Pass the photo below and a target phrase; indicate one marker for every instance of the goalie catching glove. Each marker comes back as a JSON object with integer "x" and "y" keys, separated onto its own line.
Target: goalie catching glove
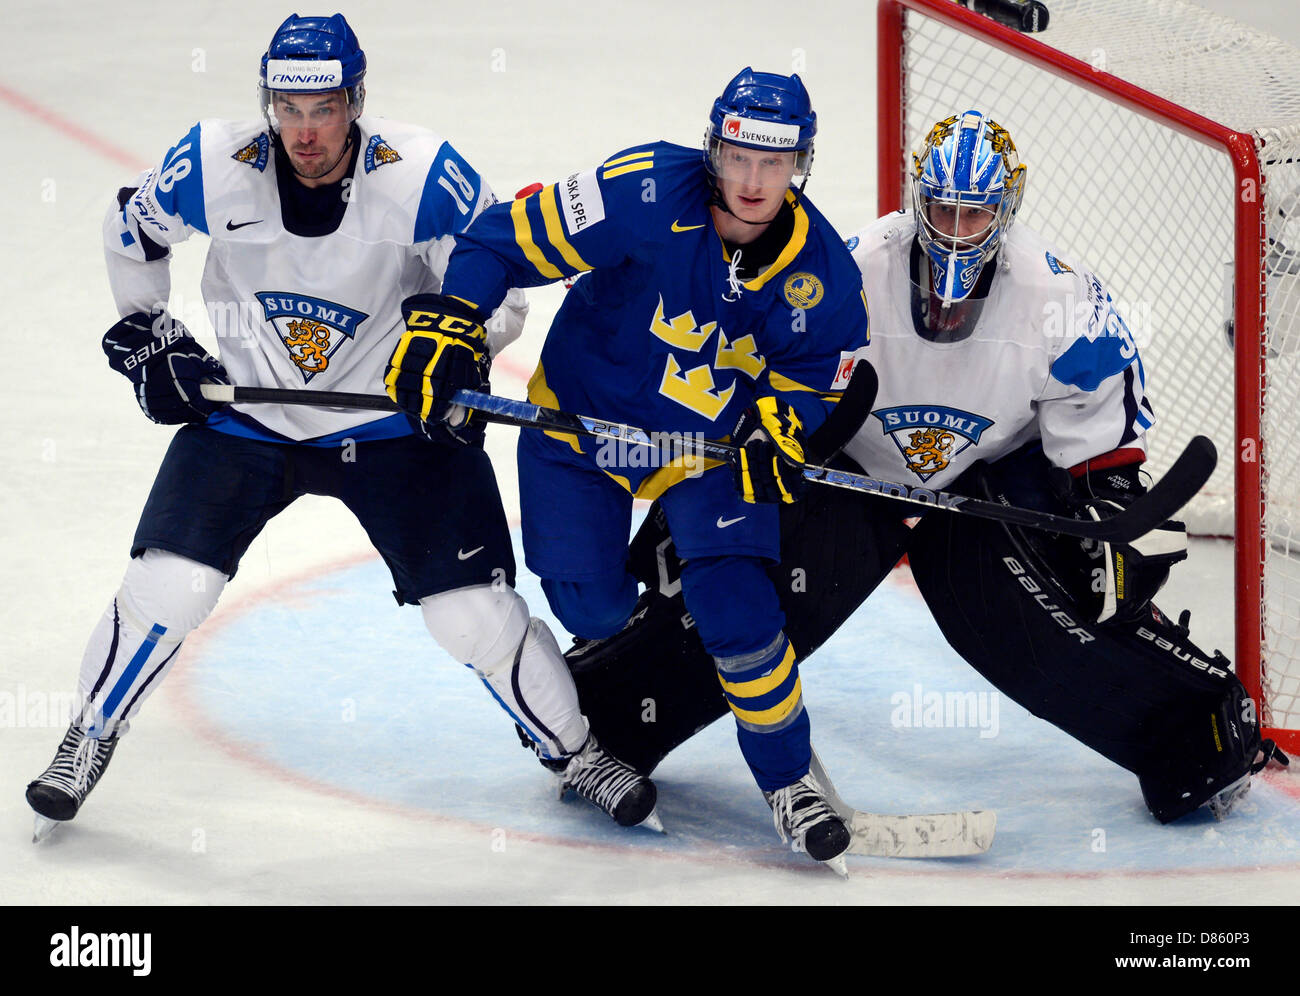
{"x": 1122, "y": 578}
{"x": 166, "y": 365}
{"x": 443, "y": 350}
{"x": 768, "y": 462}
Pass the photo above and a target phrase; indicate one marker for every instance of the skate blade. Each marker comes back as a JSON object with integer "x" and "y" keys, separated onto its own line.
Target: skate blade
{"x": 42, "y": 828}
{"x": 838, "y": 865}
{"x": 652, "y": 822}
{"x": 1223, "y": 803}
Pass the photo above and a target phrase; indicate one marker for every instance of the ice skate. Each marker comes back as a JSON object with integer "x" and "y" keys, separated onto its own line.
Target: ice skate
{"x": 804, "y": 817}
{"x": 77, "y": 767}
{"x": 609, "y": 784}
{"x": 1221, "y": 803}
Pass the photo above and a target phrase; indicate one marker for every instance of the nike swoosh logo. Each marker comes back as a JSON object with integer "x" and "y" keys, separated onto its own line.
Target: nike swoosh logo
{"x": 231, "y": 226}
{"x": 685, "y": 228}
{"x": 462, "y": 555}
{"x": 724, "y": 523}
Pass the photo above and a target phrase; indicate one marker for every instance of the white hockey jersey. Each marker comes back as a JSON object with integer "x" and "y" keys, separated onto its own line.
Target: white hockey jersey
{"x": 1050, "y": 357}
{"x": 292, "y": 311}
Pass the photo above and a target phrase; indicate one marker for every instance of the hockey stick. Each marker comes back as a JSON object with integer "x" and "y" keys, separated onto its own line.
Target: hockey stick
{"x": 931, "y": 835}
{"x": 1187, "y": 475}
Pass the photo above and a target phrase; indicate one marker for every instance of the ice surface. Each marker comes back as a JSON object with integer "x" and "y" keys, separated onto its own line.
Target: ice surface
{"x": 313, "y": 746}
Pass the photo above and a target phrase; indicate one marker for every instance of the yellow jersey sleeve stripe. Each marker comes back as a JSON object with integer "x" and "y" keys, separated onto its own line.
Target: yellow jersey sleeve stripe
{"x": 540, "y": 393}
{"x": 555, "y": 230}
{"x": 792, "y": 248}
{"x": 465, "y": 300}
{"x": 524, "y": 237}
{"x": 761, "y": 686}
{"x": 780, "y": 382}
{"x": 609, "y": 174}
{"x": 778, "y": 712}
{"x": 644, "y": 154}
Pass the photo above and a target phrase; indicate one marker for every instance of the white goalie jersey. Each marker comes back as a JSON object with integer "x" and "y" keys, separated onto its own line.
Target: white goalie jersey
{"x": 319, "y": 312}
{"x": 1050, "y": 357}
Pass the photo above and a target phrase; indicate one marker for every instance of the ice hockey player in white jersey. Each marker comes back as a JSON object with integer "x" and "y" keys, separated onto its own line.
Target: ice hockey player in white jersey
{"x": 1006, "y": 372}
{"x": 327, "y": 230}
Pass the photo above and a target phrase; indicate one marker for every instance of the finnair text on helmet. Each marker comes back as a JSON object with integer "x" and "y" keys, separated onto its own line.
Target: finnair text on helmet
{"x": 304, "y": 74}
{"x": 303, "y": 78}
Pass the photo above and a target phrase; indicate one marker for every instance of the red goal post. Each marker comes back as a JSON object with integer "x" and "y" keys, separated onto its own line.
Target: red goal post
{"x": 1163, "y": 147}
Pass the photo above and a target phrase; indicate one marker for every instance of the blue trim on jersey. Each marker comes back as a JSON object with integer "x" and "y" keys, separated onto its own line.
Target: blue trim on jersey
{"x": 440, "y": 211}
{"x": 133, "y": 669}
{"x": 239, "y": 424}
{"x": 1088, "y": 362}
{"x": 184, "y": 199}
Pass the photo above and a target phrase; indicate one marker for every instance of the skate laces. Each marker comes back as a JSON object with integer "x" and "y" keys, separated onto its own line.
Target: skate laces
{"x": 77, "y": 764}
{"x": 599, "y": 777}
{"x": 83, "y": 763}
{"x": 798, "y": 808}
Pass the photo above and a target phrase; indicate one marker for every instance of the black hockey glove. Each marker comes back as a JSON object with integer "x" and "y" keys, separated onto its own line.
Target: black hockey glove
{"x": 443, "y": 350}
{"x": 768, "y": 464}
{"x": 160, "y": 357}
{"x": 1122, "y": 578}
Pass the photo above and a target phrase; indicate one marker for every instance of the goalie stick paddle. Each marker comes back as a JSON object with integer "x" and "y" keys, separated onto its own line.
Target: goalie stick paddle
{"x": 929, "y": 835}
{"x": 1187, "y": 475}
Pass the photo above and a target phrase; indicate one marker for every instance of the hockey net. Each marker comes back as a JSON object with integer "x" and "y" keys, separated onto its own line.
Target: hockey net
{"x": 1163, "y": 148}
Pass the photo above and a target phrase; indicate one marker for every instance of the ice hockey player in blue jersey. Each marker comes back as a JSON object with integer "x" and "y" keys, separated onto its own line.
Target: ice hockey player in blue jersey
{"x": 1005, "y": 371}
{"x": 325, "y": 225}
{"x": 714, "y": 300}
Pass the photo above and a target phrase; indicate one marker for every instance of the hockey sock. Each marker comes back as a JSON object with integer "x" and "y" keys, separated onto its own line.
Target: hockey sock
{"x": 163, "y": 598}
{"x": 518, "y": 660}
{"x": 766, "y": 698}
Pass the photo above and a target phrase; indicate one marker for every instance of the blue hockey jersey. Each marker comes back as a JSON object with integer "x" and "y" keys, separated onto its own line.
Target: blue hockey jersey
{"x": 660, "y": 333}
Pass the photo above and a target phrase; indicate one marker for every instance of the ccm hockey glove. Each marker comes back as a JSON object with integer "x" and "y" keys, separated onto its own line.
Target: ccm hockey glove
{"x": 768, "y": 463}
{"x": 443, "y": 350}
{"x": 160, "y": 357}
{"x": 1122, "y": 577}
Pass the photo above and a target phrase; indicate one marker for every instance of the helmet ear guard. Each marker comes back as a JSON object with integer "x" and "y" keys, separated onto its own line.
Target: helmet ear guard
{"x": 966, "y": 163}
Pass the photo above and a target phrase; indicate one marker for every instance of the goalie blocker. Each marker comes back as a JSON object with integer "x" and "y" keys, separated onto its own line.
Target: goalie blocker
{"x": 1136, "y": 690}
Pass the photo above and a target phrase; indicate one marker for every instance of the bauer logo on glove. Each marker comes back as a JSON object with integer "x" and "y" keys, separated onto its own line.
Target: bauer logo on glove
{"x": 769, "y": 459}
{"x": 166, "y": 365}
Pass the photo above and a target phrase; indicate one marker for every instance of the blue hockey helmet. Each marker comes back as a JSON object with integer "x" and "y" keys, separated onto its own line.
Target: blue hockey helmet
{"x": 763, "y": 111}
{"x": 967, "y": 184}
{"x": 313, "y": 55}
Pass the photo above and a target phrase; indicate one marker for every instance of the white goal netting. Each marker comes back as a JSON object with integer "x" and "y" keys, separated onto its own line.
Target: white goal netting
{"x": 1153, "y": 212}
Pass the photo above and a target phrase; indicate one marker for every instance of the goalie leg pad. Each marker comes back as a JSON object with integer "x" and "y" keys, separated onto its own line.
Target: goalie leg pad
{"x": 163, "y": 597}
{"x": 1209, "y": 748}
{"x": 1138, "y": 692}
{"x": 488, "y": 630}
